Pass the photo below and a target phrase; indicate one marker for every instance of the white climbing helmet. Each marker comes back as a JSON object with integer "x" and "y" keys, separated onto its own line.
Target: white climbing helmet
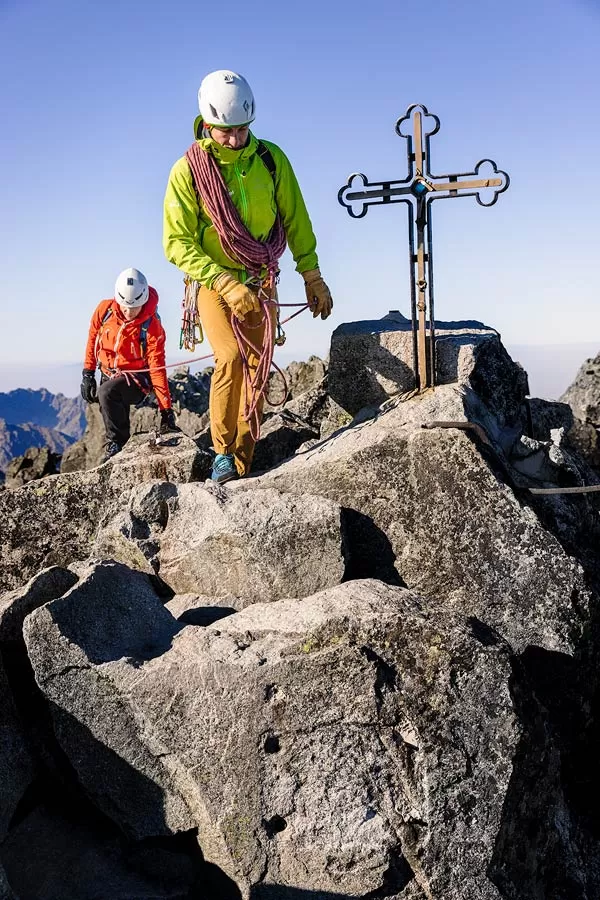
{"x": 131, "y": 288}
{"x": 225, "y": 98}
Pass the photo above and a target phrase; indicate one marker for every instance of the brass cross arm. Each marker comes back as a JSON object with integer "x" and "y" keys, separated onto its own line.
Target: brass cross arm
{"x": 467, "y": 184}
{"x": 418, "y": 190}
{"x": 434, "y": 187}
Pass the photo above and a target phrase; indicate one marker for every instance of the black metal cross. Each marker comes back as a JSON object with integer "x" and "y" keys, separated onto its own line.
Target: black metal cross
{"x": 418, "y": 190}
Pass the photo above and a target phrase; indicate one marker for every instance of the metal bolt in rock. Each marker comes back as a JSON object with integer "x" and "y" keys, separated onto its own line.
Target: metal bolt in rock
{"x": 418, "y": 190}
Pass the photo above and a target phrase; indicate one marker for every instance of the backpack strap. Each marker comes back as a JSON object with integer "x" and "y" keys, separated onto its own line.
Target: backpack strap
{"x": 144, "y": 331}
{"x": 105, "y": 318}
{"x": 267, "y": 157}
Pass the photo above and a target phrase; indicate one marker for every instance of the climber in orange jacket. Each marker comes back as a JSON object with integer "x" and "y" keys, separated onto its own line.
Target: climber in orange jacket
{"x": 126, "y": 334}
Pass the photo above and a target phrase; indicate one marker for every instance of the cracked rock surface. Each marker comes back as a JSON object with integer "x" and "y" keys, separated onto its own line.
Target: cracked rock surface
{"x": 370, "y": 672}
{"x": 54, "y": 521}
{"x": 205, "y": 540}
{"x": 298, "y": 736}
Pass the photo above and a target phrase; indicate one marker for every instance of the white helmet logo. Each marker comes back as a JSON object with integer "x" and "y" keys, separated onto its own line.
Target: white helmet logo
{"x": 226, "y": 98}
{"x": 131, "y": 288}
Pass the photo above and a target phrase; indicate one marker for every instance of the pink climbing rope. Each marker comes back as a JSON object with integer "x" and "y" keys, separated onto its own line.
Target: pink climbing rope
{"x": 255, "y": 386}
{"x": 236, "y": 240}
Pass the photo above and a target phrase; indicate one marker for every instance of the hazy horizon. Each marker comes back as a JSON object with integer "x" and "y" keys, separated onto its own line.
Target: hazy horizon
{"x": 551, "y": 369}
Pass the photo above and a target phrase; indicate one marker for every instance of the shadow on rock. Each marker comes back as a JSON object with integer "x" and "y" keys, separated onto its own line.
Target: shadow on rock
{"x": 354, "y": 387}
{"x": 547, "y": 844}
{"x": 62, "y": 846}
{"x": 205, "y": 615}
{"x": 369, "y": 551}
{"x": 114, "y": 612}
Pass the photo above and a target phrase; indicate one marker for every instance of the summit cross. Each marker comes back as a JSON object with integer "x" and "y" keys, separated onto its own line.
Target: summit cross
{"x": 418, "y": 190}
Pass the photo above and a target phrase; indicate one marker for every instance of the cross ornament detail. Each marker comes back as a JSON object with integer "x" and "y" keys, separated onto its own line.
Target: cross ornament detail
{"x": 418, "y": 190}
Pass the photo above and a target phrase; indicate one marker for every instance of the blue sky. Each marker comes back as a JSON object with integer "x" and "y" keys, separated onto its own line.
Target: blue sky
{"x": 98, "y": 100}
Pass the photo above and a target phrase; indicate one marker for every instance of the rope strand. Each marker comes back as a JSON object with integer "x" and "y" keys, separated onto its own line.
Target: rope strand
{"x": 185, "y": 362}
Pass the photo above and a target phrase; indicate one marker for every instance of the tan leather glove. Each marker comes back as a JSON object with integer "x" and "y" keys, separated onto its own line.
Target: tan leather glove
{"x": 317, "y": 293}
{"x": 238, "y": 297}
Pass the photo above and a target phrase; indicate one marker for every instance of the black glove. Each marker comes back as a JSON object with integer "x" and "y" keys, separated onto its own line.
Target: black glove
{"x": 88, "y": 386}
{"x": 167, "y": 421}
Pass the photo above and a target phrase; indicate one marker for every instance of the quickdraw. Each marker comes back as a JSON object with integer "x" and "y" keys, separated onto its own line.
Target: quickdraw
{"x": 191, "y": 332}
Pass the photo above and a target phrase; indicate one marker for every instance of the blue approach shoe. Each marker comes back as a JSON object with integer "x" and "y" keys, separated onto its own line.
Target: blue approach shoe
{"x": 111, "y": 449}
{"x": 223, "y": 468}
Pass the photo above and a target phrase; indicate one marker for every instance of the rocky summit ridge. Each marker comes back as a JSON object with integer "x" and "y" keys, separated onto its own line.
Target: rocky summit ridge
{"x": 368, "y": 671}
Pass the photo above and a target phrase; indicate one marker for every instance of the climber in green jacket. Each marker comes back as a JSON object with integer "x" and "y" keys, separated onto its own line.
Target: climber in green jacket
{"x": 261, "y": 183}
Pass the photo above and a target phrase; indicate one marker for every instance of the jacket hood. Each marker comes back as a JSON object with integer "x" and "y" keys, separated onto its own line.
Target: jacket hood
{"x": 225, "y": 155}
{"x": 147, "y": 310}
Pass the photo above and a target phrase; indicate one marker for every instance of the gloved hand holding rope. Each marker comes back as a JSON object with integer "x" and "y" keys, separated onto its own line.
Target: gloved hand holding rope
{"x": 238, "y": 297}
{"x": 318, "y": 295}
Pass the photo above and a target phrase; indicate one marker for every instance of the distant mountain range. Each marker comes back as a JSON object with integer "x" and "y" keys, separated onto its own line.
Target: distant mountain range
{"x": 551, "y": 368}
{"x": 31, "y": 418}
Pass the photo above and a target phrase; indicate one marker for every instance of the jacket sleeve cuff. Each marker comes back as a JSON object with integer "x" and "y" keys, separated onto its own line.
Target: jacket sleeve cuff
{"x": 307, "y": 263}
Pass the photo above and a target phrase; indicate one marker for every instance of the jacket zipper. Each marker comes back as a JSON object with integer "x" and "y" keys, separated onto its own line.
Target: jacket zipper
{"x": 243, "y": 200}
{"x": 117, "y": 342}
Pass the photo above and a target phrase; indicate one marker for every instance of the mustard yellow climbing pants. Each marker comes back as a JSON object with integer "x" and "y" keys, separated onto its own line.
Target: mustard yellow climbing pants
{"x": 229, "y": 430}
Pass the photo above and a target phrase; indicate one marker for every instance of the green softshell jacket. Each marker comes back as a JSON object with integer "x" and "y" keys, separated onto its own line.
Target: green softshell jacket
{"x": 190, "y": 240}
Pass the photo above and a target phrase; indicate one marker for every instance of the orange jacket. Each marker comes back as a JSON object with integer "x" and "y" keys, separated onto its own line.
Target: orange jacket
{"x": 114, "y": 343}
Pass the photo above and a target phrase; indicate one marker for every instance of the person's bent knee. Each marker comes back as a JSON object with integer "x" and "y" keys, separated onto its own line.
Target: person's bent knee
{"x": 111, "y": 389}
